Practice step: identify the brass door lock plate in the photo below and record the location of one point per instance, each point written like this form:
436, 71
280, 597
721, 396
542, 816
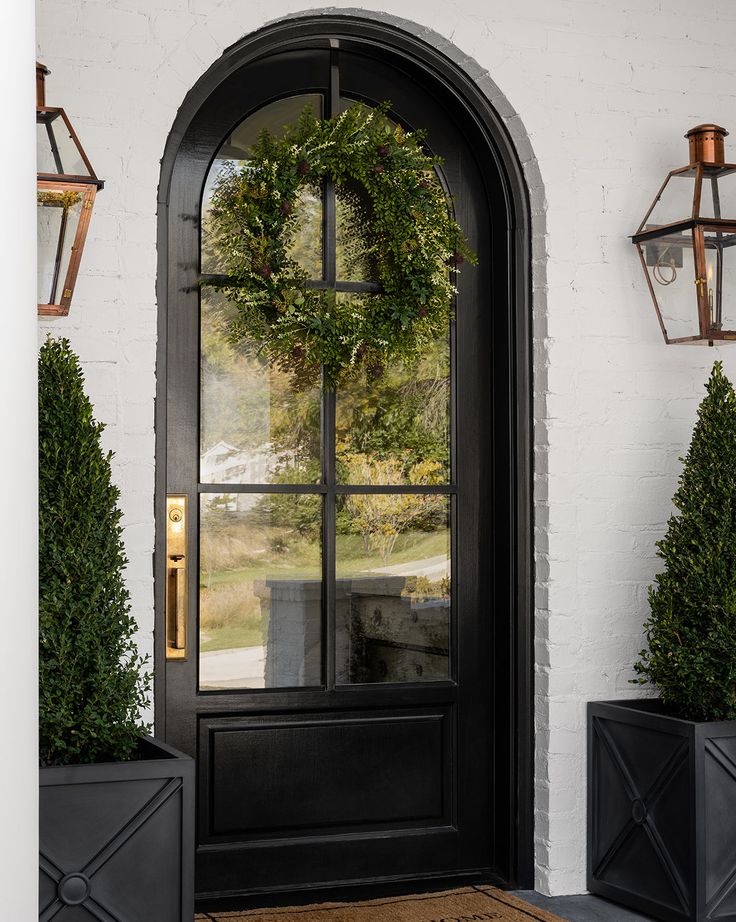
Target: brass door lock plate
177, 609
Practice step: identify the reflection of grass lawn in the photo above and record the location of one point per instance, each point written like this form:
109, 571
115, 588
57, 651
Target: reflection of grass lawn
232, 635
268, 570
351, 561
418, 545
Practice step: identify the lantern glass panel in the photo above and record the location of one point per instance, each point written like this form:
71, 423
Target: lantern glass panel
58, 151
718, 197
675, 202
720, 262
670, 263
58, 215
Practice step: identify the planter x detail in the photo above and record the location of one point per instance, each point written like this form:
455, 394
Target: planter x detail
662, 811
117, 839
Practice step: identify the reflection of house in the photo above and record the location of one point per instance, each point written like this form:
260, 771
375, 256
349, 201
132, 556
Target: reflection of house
225, 463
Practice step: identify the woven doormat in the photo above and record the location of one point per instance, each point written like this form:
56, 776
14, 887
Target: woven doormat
468, 904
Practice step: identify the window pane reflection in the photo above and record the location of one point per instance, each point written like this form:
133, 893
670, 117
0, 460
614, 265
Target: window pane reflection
354, 262
306, 248
393, 588
257, 425
260, 597
395, 429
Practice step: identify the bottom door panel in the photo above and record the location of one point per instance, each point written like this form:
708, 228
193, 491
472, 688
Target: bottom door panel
275, 775
367, 785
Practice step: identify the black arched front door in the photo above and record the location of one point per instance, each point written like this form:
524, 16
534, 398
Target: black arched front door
338, 640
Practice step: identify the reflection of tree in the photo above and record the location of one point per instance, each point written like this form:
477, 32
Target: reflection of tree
219, 548
381, 517
404, 415
300, 513
280, 533
247, 403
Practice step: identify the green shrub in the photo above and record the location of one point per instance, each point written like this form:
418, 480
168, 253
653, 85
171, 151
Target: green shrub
691, 632
91, 682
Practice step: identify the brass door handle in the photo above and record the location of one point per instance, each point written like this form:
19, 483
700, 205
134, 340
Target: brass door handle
176, 577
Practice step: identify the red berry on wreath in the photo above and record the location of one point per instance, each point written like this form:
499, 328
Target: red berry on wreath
303, 168
424, 184
383, 150
264, 271
285, 207
378, 168
423, 310
297, 352
376, 371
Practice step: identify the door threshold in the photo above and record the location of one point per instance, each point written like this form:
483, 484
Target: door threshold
346, 891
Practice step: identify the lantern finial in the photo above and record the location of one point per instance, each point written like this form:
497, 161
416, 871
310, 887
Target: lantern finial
41, 73
706, 144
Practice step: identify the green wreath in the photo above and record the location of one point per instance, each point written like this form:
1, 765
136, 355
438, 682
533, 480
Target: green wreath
399, 228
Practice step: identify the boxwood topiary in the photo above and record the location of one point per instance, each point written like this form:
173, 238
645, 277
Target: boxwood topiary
691, 632
92, 685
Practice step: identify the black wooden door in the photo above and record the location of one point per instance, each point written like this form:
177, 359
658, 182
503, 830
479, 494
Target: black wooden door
337, 686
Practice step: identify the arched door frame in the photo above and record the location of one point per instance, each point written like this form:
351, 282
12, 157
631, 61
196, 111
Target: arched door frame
513, 654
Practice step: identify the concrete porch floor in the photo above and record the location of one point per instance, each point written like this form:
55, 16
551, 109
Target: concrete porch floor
586, 908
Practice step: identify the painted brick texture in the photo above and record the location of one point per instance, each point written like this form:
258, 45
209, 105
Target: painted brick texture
597, 95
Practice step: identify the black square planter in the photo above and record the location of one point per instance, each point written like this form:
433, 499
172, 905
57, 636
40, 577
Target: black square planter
117, 839
662, 812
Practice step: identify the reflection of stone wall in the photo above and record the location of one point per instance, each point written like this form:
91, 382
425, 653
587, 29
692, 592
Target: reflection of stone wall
381, 636
395, 639
292, 610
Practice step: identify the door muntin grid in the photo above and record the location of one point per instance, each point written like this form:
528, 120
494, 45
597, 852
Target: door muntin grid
288, 472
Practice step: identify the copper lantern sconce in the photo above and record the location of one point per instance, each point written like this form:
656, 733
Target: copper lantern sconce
66, 190
686, 244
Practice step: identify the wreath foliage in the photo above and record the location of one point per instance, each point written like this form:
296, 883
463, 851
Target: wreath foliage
399, 229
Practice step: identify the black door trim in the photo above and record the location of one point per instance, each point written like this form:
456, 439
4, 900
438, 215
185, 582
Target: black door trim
514, 657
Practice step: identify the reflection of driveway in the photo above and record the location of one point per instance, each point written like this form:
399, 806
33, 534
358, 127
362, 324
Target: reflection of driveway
431, 567
239, 667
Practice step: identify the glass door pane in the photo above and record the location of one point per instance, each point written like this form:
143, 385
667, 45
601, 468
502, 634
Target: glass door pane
262, 564
395, 429
393, 587
260, 596
256, 424
306, 248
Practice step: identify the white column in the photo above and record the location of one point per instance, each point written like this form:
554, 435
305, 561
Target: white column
18, 468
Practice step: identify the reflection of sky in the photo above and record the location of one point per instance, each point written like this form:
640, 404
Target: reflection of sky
274, 117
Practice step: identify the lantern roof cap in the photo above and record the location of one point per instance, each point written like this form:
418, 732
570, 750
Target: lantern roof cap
707, 126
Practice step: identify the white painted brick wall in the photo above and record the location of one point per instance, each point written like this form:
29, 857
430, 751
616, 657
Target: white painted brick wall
604, 90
